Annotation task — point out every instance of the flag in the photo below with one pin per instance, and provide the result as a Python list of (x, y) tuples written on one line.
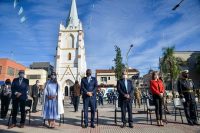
[(20, 11), (23, 19)]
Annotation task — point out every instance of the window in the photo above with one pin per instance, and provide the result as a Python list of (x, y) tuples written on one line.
[(33, 76), (11, 71), (69, 56), (0, 69), (70, 42), (108, 78), (104, 79)]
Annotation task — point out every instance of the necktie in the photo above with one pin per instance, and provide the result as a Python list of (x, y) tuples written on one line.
[(88, 79), (20, 81), (126, 85)]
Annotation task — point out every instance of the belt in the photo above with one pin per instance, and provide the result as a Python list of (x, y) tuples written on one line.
[(188, 91)]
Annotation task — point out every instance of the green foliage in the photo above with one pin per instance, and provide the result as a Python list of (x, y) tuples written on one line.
[(119, 66), (170, 64)]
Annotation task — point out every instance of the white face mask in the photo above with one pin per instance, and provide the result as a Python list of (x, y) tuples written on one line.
[(53, 76), (125, 76)]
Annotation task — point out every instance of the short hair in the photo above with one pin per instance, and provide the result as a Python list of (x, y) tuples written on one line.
[(8, 81), (21, 71)]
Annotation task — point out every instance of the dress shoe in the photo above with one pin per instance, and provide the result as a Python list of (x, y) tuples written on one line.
[(190, 123), (92, 126), (196, 123), (21, 126), (123, 125), (130, 125), (11, 126), (84, 126)]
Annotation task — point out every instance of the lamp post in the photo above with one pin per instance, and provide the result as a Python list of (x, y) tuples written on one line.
[(176, 6), (127, 57)]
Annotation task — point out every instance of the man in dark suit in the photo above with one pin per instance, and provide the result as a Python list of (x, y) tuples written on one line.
[(88, 88), (35, 94), (125, 90), (19, 91)]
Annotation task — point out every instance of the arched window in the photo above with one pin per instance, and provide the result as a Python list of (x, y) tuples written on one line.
[(70, 41), (69, 56)]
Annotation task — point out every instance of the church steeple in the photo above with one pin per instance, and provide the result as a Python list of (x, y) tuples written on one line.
[(73, 20)]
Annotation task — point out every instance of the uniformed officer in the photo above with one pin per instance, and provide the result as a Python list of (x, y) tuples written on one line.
[(186, 92)]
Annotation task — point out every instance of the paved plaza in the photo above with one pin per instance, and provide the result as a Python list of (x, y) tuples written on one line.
[(72, 123)]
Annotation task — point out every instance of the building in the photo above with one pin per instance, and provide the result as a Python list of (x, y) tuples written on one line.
[(190, 59), (107, 77), (9, 69), (36, 74), (70, 51), (146, 78), (43, 65)]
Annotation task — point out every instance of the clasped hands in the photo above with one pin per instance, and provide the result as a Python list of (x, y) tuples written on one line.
[(51, 97), (127, 96), (89, 94), (18, 94)]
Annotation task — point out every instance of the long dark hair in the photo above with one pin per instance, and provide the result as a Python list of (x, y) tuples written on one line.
[(153, 75)]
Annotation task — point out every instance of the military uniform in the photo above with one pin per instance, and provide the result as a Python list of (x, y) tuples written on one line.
[(186, 90)]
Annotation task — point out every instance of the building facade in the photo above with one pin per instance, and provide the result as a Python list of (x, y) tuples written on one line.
[(9, 69), (107, 77), (36, 74), (43, 65), (190, 59), (70, 51)]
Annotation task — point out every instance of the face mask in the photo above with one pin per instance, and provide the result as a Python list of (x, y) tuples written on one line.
[(185, 75), (21, 75), (88, 74), (53, 76), (125, 76)]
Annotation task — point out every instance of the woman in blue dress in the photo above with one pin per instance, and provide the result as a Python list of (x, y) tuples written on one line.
[(53, 97)]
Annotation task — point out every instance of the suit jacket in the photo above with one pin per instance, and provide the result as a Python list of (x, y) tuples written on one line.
[(23, 88), (88, 87), (121, 88), (35, 91), (157, 87), (77, 90)]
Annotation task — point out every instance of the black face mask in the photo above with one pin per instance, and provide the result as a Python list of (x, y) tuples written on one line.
[(88, 74), (185, 75)]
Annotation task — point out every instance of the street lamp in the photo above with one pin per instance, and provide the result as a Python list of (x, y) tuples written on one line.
[(176, 6), (127, 57)]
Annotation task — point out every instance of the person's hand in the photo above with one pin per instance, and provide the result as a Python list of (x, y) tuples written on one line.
[(89, 94), (182, 100), (127, 96), (18, 94), (161, 94)]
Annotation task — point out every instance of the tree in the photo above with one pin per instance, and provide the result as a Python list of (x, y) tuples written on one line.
[(170, 65), (119, 66)]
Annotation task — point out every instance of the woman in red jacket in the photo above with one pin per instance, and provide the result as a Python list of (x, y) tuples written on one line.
[(157, 89)]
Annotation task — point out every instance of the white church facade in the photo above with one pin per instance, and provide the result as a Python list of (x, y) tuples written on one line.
[(70, 51)]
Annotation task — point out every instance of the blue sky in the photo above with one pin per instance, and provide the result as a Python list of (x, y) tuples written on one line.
[(149, 25)]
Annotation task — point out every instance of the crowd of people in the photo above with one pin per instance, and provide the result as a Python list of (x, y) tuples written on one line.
[(17, 92)]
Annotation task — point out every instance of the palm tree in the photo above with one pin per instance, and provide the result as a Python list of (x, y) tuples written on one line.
[(170, 65)]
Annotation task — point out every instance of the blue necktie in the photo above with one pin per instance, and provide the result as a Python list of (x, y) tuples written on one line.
[(126, 85)]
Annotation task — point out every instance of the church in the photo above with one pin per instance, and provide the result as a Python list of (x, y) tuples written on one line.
[(70, 52)]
